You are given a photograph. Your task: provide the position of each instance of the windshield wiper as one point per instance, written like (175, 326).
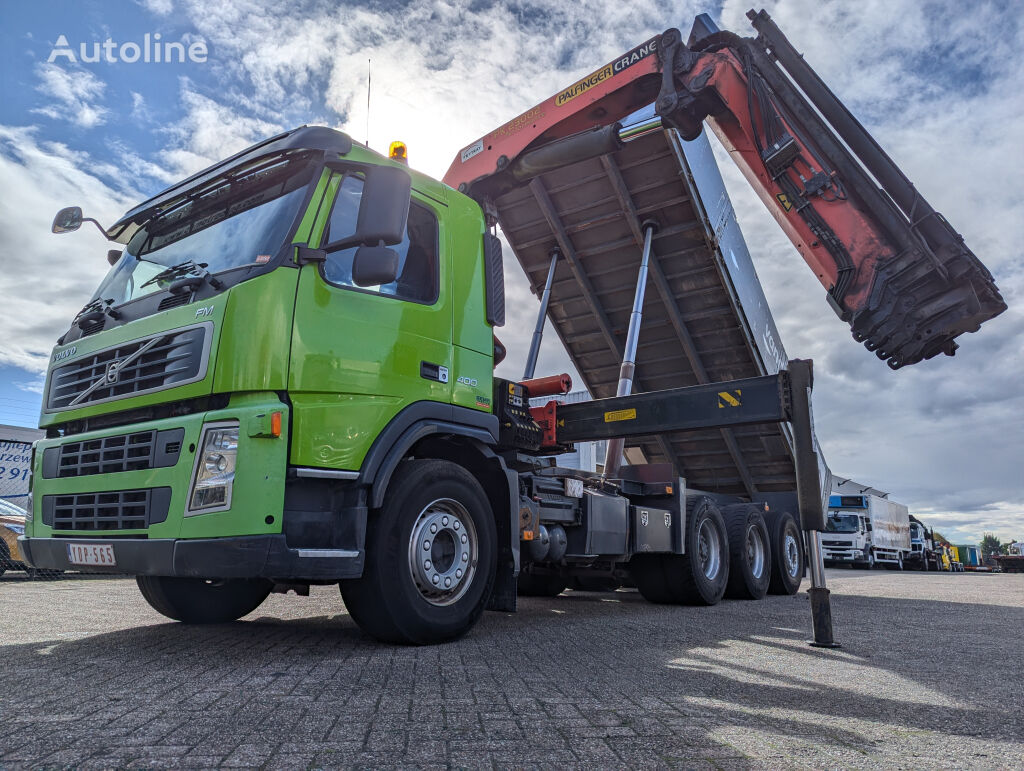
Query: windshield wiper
(198, 269)
(96, 310)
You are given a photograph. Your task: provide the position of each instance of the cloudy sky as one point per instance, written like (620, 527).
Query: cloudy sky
(940, 84)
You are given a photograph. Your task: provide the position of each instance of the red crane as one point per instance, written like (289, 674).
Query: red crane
(896, 271)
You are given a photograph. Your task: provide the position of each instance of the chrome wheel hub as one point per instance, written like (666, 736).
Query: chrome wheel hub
(756, 552)
(792, 552)
(443, 552)
(709, 549)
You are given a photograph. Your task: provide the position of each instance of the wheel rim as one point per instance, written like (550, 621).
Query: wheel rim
(756, 551)
(709, 549)
(443, 552)
(792, 552)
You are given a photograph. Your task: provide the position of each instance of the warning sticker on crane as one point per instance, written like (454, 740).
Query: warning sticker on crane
(611, 417)
(730, 398)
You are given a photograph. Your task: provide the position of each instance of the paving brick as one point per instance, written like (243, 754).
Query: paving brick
(104, 682)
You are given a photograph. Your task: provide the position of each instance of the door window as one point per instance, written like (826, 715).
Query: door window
(418, 272)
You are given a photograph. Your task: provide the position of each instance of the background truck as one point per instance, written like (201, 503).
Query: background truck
(866, 530)
(923, 554)
(970, 556)
(286, 378)
(1014, 561)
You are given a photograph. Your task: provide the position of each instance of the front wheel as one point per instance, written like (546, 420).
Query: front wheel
(201, 600)
(430, 557)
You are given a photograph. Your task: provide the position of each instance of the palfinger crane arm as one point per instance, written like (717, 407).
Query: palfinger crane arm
(895, 269)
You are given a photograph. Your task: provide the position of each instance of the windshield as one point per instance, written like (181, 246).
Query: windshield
(842, 523)
(916, 532)
(242, 219)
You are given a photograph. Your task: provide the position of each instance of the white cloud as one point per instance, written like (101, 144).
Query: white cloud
(208, 132)
(938, 85)
(47, 278)
(159, 7)
(74, 95)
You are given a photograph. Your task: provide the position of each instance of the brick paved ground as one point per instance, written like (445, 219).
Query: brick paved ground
(929, 676)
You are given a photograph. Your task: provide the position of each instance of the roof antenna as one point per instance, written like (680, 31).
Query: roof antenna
(368, 102)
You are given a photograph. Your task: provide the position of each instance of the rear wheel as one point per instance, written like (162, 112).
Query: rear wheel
(749, 553)
(787, 570)
(203, 601)
(430, 557)
(540, 586)
(698, 577)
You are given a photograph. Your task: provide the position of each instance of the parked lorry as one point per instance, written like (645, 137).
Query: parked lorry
(286, 377)
(866, 530)
(923, 554)
(971, 557)
(1013, 562)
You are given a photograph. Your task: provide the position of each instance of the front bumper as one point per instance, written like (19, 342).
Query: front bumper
(836, 555)
(256, 556)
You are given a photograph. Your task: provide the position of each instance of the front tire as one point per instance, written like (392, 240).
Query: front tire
(787, 554)
(203, 601)
(749, 553)
(430, 557)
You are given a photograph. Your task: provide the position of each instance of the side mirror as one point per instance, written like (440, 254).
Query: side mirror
(113, 255)
(384, 207)
(68, 220)
(374, 266)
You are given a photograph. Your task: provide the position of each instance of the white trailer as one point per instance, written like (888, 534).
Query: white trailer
(866, 530)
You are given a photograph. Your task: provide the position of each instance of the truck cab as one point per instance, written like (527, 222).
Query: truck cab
(847, 535)
(922, 554)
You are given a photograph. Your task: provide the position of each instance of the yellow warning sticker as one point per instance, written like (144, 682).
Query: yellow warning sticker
(784, 200)
(611, 417)
(730, 398)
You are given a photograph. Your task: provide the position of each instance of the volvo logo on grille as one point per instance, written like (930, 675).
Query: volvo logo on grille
(112, 373)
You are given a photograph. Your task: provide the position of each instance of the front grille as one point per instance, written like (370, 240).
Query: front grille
(112, 454)
(130, 369)
(834, 543)
(99, 512)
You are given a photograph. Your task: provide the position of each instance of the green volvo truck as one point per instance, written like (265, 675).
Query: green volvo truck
(286, 377)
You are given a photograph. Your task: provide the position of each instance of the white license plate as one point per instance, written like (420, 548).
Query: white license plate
(91, 554)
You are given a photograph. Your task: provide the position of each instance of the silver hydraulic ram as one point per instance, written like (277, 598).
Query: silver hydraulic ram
(542, 314)
(613, 458)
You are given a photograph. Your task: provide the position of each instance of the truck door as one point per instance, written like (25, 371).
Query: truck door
(362, 354)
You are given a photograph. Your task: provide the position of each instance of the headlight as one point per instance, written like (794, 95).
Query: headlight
(215, 468)
(29, 505)
(19, 529)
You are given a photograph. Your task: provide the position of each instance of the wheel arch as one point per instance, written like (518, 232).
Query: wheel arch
(464, 437)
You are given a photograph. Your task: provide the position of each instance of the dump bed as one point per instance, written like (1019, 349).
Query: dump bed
(705, 315)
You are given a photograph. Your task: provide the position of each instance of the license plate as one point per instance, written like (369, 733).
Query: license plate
(91, 554)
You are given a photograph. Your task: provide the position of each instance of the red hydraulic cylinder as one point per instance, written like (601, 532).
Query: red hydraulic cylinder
(549, 386)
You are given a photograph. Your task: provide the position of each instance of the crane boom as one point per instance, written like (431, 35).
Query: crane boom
(894, 269)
